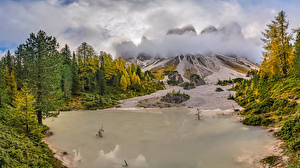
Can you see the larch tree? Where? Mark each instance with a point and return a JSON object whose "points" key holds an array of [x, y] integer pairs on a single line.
{"points": [[123, 83], [11, 84], [278, 49], [25, 105], [108, 65], [87, 66], [297, 56]]}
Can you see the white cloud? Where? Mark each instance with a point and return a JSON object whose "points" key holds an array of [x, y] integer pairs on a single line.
{"points": [[104, 22]]}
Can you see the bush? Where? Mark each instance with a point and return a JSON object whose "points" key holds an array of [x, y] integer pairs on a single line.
{"points": [[188, 85], [219, 89], [175, 97], [253, 120], [224, 82], [271, 160]]}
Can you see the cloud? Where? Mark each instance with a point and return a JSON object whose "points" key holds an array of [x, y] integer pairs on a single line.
{"points": [[227, 40], [105, 22]]}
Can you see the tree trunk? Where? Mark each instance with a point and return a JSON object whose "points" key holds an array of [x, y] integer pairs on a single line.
{"points": [[40, 117]]}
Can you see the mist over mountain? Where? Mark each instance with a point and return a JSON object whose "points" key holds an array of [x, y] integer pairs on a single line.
{"points": [[227, 40]]}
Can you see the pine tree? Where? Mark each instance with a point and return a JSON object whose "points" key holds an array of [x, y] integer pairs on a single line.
{"points": [[123, 83], [278, 50], [297, 56], [25, 105], [42, 68]]}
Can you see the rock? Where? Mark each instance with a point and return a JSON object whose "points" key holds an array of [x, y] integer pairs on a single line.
{"points": [[65, 153], [183, 30], [49, 133], [209, 29], [118, 106]]}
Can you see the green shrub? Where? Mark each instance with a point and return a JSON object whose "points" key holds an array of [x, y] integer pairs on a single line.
{"points": [[253, 120], [188, 85], [271, 160]]}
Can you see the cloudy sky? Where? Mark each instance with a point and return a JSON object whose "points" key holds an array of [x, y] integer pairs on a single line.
{"points": [[102, 23]]}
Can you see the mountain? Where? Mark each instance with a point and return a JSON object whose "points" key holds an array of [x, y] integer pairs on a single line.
{"points": [[210, 67]]}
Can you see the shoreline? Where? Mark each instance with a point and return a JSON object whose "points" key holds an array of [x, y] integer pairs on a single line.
{"points": [[207, 108]]}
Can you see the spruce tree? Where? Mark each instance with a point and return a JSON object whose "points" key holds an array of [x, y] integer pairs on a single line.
{"points": [[66, 82], [75, 80], [101, 82]]}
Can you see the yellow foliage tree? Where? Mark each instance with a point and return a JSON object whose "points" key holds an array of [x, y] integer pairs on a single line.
{"points": [[278, 54], [109, 66], [135, 79], [10, 83], [123, 83], [24, 103]]}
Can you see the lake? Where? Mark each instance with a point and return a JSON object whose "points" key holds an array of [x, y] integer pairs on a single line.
{"points": [[156, 138]]}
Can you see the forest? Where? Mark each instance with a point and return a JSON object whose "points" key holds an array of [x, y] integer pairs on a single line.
{"points": [[39, 80], [271, 96]]}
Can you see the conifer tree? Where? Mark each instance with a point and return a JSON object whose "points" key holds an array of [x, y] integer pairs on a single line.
{"points": [[75, 77], [42, 67], [4, 97], [66, 82], [278, 50], [123, 83], [25, 105], [101, 82], [9, 61], [297, 56], [88, 63], [108, 65], [11, 84]]}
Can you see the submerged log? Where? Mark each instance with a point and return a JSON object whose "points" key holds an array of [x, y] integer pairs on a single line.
{"points": [[125, 165], [198, 114]]}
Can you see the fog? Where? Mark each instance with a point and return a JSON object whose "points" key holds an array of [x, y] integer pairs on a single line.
{"points": [[227, 40]]}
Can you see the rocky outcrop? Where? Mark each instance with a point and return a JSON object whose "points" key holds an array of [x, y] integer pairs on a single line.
{"points": [[183, 30]]}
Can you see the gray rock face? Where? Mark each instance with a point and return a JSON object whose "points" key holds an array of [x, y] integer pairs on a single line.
{"points": [[183, 30], [209, 29]]}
